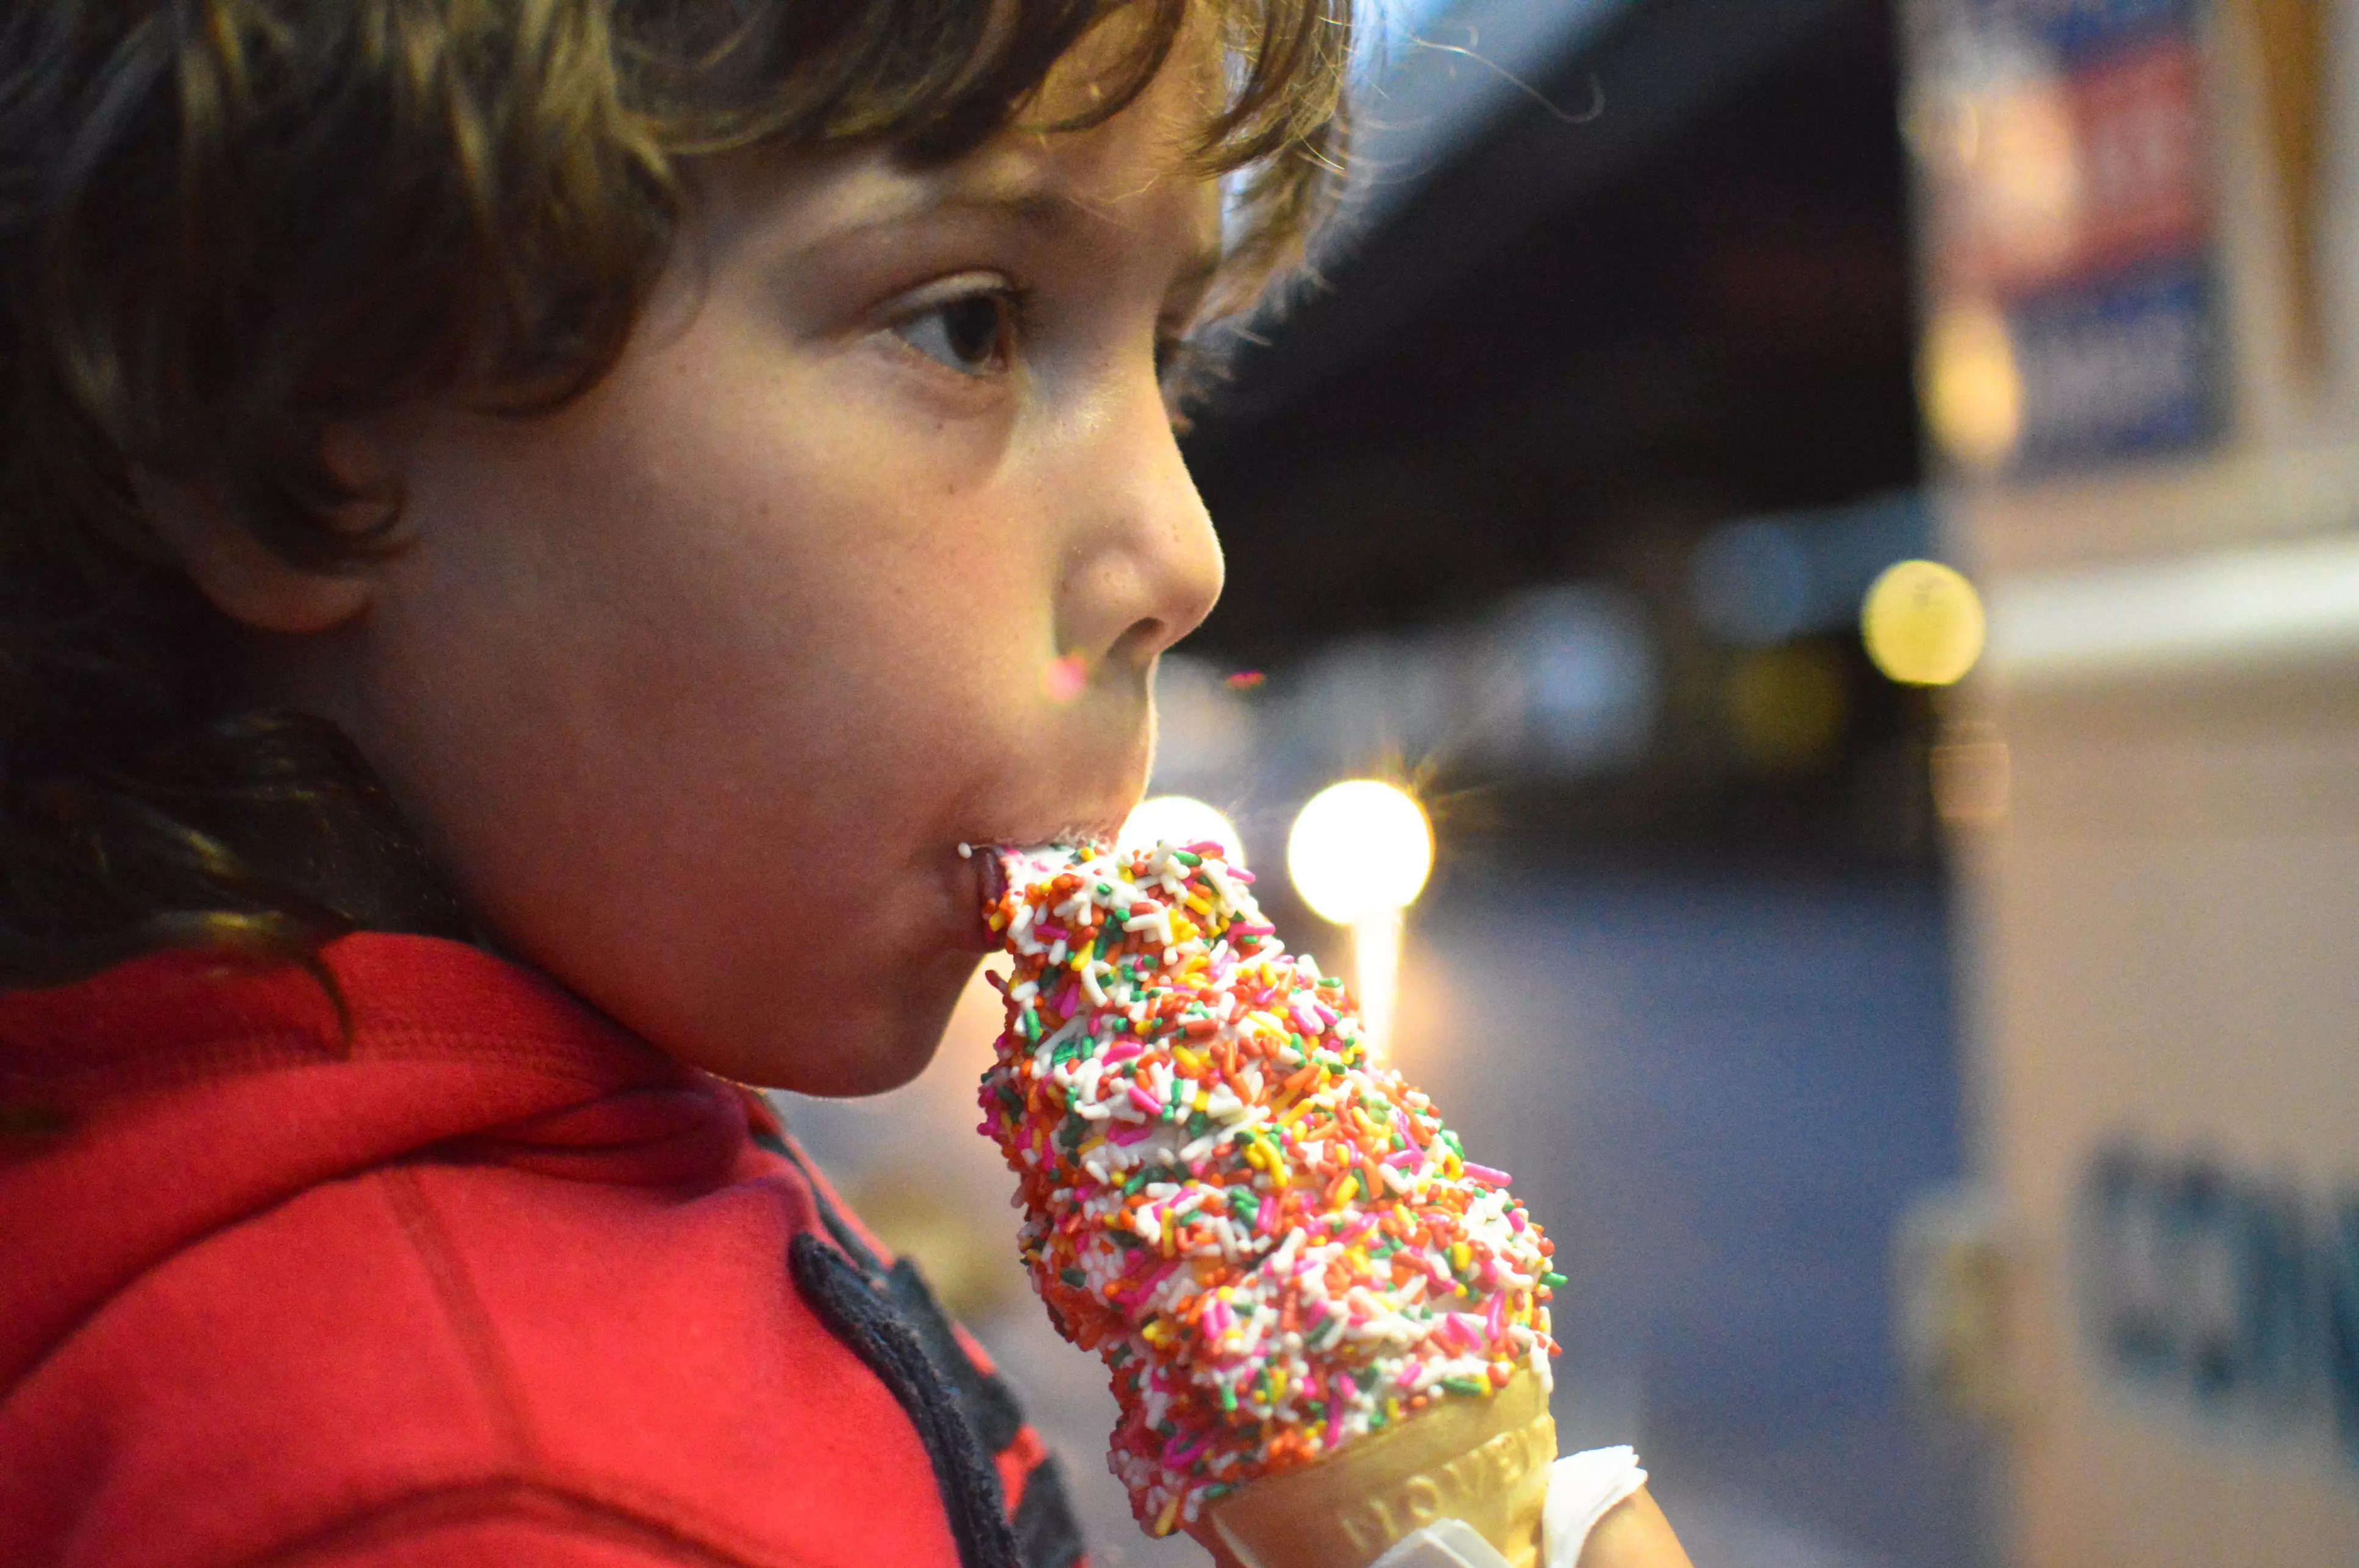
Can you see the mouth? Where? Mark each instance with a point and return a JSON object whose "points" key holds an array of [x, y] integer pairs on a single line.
{"points": [[982, 873]]}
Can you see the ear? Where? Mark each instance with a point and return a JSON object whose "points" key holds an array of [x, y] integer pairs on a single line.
{"points": [[243, 578]]}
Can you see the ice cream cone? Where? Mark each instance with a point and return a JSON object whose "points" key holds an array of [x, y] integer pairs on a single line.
{"points": [[1483, 1461]]}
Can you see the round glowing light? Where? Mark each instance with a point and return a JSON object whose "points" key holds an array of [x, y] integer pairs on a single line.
{"points": [[1923, 623], [1179, 819], [1359, 848]]}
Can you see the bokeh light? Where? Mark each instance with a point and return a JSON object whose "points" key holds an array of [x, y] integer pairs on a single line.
{"points": [[1358, 847], [1973, 387], [1923, 623], [1180, 819], [1359, 855]]}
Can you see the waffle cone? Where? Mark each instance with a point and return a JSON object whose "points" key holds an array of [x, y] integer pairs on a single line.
{"points": [[1483, 1461]]}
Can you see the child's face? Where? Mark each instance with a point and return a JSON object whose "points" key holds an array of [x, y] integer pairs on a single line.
{"points": [[866, 548]]}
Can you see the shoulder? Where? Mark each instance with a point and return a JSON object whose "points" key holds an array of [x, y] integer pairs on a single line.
{"points": [[453, 1343]]}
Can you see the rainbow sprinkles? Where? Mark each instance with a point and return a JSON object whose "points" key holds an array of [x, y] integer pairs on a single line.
{"points": [[1277, 1245]]}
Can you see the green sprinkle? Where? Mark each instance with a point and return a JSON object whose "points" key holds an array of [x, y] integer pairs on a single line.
{"points": [[1128, 1240], [1185, 858], [1551, 1279], [1465, 1386], [1228, 1398], [1074, 1277], [1031, 1023]]}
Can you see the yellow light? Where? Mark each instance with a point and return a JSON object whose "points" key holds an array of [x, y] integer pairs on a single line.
{"points": [[1923, 623], [1972, 388], [1179, 819], [1357, 848], [1359, 854]]}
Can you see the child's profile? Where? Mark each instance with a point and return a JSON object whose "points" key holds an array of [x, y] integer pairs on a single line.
{"points": [[530, 536]]}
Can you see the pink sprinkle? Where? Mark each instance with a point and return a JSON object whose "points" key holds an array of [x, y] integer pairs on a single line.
{"points": [[1123, 1052], [1144, 1101], [1251, 928], [1206, 847], [1515, 1219], [1492, 1326], [1243, 875], [1344, 1381], [1056, 932], [1186, 1451], [1406, 1157], [1486, 1175], [1129, 1135]]}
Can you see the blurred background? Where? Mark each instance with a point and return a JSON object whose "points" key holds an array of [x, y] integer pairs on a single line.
{"points": [[1924, 1006]]}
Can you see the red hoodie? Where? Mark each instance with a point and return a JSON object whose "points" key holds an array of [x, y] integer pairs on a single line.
{"points": [[492, 1283]]}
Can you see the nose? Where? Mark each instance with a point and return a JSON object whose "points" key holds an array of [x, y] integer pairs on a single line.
{"points": [[1143, 565]]}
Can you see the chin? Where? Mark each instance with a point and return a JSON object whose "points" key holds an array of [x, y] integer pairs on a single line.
{"points": [[868, 1052]]}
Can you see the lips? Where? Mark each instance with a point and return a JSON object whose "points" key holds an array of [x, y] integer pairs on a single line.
{"points": [[982, 876]]}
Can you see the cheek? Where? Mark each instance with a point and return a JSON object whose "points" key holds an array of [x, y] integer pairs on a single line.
{"points": [[689, 716], [719, 603]]}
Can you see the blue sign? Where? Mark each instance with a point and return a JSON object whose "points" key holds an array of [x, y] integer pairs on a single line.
{"points": [[2225, 1292], [2124, 365], [2076, 30]]}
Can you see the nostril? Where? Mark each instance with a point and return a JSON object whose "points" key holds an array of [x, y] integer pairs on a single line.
{"points": [[1141, 642]]}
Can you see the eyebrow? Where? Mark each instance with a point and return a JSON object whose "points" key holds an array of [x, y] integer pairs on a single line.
{"points": [[1040, 206]]}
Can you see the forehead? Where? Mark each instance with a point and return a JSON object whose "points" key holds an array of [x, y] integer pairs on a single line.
{"points": [[1123, 187], [1125, 193]]}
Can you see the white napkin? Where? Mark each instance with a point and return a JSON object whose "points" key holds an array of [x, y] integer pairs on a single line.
{"points": [[1582, 1488]]}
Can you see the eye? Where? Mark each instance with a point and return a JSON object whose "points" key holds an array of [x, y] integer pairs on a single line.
{"points": [[973, 334]]}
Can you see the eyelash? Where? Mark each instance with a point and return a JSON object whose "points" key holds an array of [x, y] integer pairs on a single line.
{"points": [[1013, 303], [1181, 367], [1178, 360]]}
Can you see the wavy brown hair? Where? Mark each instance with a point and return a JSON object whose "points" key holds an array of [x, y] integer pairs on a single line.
{"points": [[226, 225]]}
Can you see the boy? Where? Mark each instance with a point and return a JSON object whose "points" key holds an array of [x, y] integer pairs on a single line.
{"points": [[541, 527]]}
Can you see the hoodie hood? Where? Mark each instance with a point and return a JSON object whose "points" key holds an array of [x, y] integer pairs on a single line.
{"points": [[179, 1094]]}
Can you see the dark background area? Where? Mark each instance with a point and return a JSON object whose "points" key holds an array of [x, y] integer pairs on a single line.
{"points": [[1575, 347]]}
